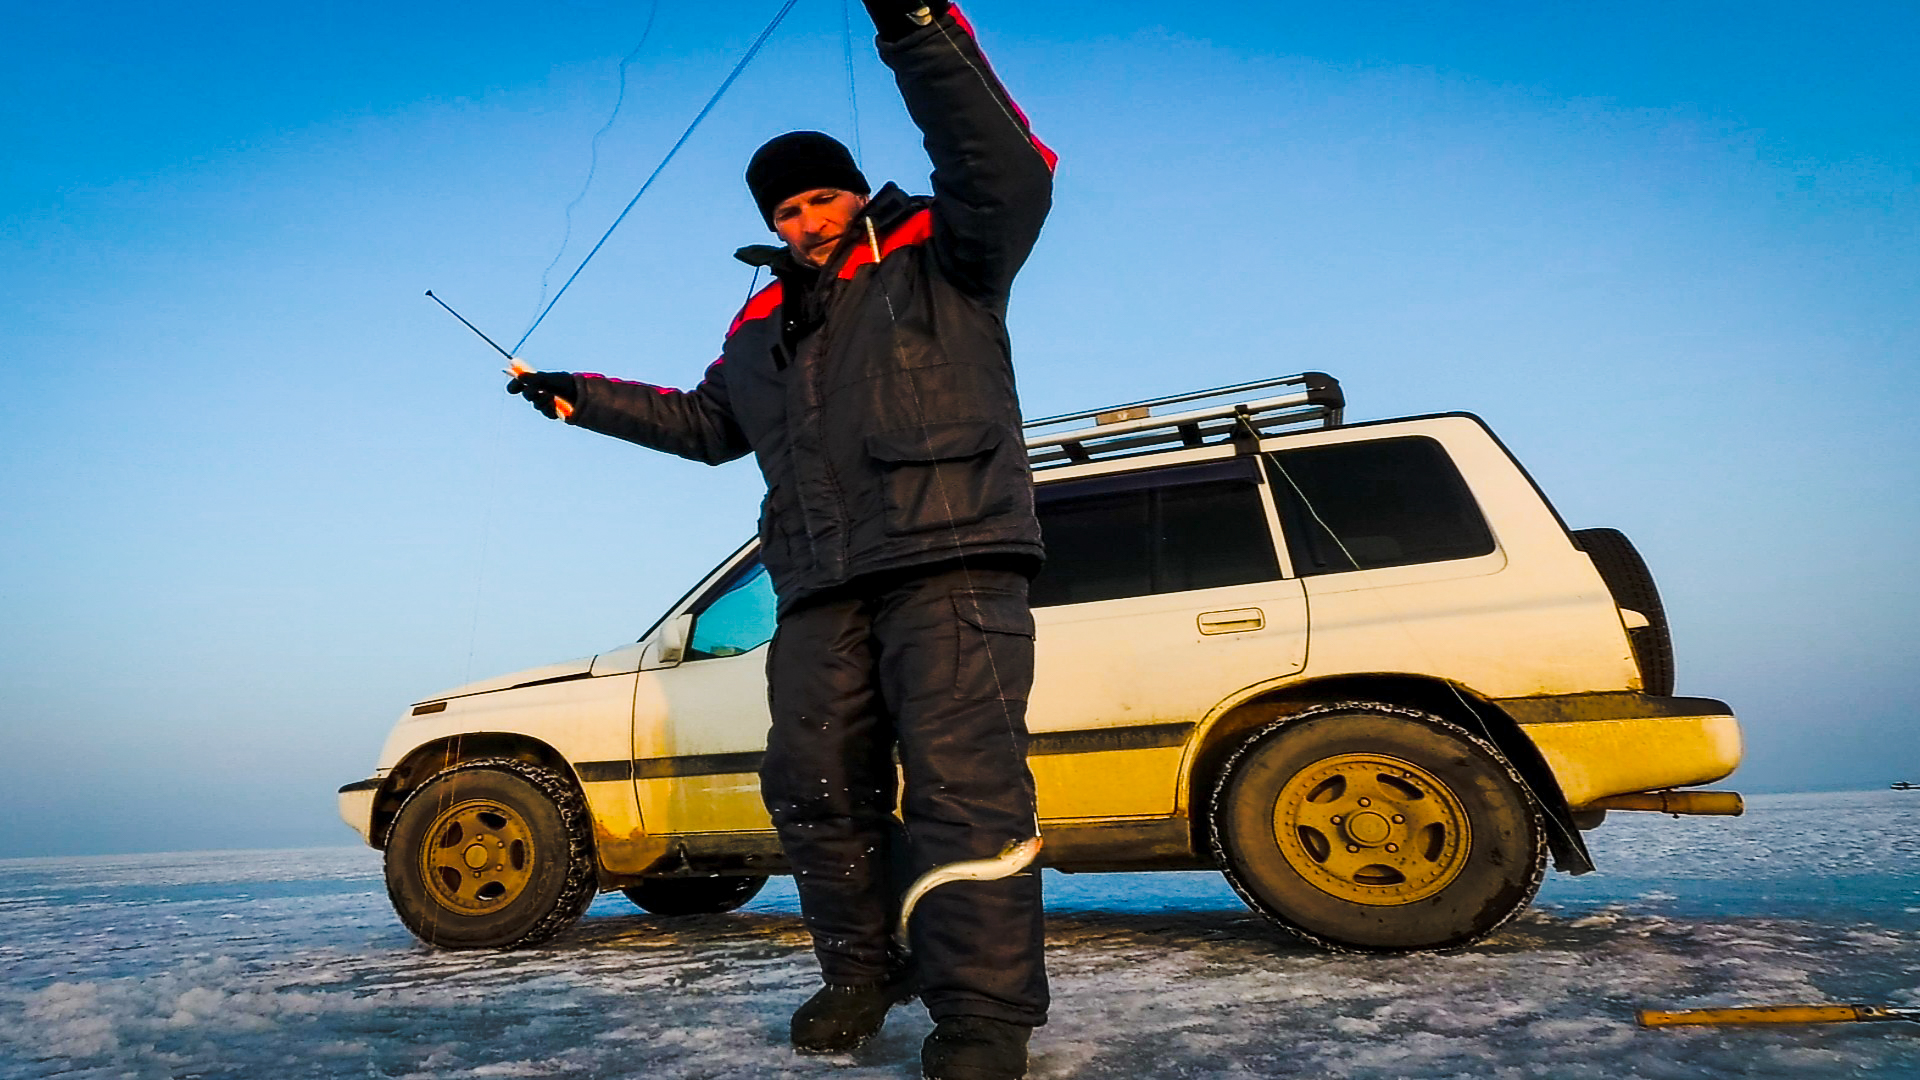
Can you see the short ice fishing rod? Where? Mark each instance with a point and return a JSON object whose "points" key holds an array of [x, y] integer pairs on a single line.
{"points": [[514, 367]]}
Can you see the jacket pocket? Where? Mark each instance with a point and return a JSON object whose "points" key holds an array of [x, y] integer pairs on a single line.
{"points": [[939, 476], [777, 515], [994, 655]]}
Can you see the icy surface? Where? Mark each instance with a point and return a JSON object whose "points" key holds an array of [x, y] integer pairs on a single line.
{"points": [[254, 964]]}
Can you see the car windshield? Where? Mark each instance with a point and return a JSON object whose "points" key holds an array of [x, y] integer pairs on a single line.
{"points": [[738, 620]]}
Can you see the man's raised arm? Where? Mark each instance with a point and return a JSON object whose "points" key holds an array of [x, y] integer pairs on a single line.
{"points": [[992, 180]]}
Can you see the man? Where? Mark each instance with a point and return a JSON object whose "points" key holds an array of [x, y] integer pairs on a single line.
{"points": [[873, 384]]}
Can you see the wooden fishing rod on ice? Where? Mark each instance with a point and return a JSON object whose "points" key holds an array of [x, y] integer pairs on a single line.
{"points": [[1779, 1014]]}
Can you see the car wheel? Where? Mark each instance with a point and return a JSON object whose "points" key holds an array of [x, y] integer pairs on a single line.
{"points": [[1375, 827], [694, 895], [491, 853]]}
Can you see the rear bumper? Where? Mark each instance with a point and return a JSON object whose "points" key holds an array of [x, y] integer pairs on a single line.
{"points": [[1611, 744], [356, 807]]}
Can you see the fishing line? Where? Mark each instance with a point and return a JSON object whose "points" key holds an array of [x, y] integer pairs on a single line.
{"points": [[1010, 860], [992, 91], [486, 520], [727, 84], [486, 525], [486, 544], [966, 572], [593, 150], [1021, 852], [853, 95]]}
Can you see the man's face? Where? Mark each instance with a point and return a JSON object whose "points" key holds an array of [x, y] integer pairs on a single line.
{"points": [[812, 222]]}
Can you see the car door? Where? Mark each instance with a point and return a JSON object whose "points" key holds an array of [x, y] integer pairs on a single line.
{"points": [[1162, 597], [701, 716]]}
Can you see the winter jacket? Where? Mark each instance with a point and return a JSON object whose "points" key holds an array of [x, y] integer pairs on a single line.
{"points": [[878, 395]]}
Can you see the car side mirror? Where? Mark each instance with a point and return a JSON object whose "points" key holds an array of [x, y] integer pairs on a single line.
{"points": [[671, 646]]}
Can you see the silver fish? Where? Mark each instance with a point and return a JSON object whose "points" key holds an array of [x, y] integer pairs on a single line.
{"points": [[1013, 858]]}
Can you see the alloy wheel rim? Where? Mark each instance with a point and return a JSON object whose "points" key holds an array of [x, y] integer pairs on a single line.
{"points": [[478, 857], [1372, 829]]}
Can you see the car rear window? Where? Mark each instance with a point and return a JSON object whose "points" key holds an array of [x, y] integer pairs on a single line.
{"points": [[1366, 505]]}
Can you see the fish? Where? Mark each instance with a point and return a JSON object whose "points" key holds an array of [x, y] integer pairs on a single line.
{"points": [[1015, 857]]}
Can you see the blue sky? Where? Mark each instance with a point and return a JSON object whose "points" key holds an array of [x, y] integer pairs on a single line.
{"points": [[260, 493]]}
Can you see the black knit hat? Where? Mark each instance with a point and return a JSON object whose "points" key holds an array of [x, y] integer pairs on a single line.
{"points": [[800, 161]]}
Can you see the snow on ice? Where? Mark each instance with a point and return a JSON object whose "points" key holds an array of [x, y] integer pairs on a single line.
{"points": [[252, 964]]}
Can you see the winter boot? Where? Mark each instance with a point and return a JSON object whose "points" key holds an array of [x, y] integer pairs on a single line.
{"points": [[975, 1048], [838, 1019]]}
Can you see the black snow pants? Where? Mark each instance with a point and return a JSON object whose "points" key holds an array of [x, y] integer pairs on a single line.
{"points": [[936, 662]]}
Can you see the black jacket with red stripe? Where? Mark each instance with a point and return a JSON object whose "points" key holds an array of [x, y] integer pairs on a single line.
{"points": [[878, 395]]}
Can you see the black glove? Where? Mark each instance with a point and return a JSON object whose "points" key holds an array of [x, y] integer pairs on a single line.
{"points": [[542, 387], [894, 19]]}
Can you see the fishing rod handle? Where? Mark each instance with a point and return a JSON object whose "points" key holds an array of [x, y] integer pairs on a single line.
{"points": [[560, 405]]}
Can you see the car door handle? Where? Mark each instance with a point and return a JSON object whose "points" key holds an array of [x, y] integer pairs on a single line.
{"points": [[1237, 621]]}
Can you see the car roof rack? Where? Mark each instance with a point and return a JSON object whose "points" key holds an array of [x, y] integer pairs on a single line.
{"points": [[1132, 429]]}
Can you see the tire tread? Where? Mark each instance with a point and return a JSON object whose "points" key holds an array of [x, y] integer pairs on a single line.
{"points": [[1217, 808], [581, 881]]}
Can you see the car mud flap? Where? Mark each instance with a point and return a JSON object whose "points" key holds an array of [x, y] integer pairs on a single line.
{"points": [[1564, 842]]}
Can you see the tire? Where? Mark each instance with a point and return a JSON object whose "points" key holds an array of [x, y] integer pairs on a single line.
{"points": [[1631, 584], [693, 896], [1370, 827], [526, 828]]}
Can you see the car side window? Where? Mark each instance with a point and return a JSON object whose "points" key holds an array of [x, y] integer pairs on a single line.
{"points": [[1366, 505], [1160, 531], [739, 618]]}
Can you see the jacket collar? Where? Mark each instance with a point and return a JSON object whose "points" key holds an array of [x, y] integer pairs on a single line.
{"points": [[886, 209]]}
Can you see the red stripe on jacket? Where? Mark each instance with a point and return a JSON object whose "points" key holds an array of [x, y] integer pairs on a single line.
{"points": [[1046, 153], [759, 307], [915, 230]]}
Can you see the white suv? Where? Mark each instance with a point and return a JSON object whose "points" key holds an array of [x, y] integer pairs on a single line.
{"points": [[1363, 670]]}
